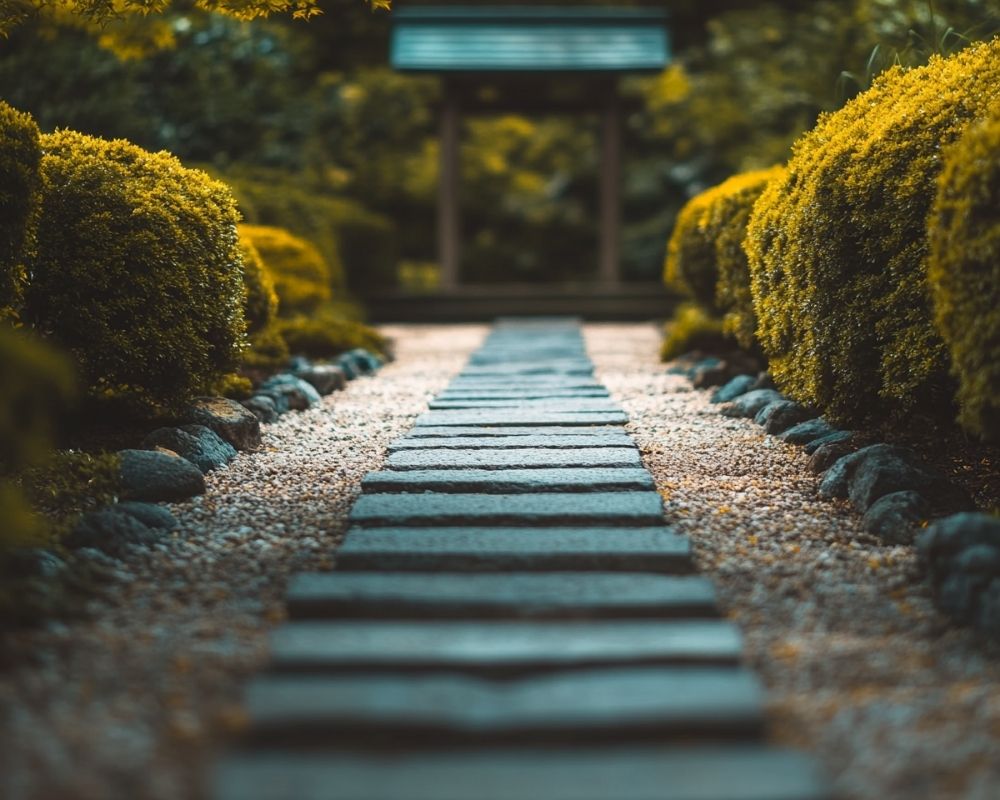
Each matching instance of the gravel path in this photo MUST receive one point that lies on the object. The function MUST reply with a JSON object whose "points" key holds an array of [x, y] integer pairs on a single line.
{"points": [[895, 701], [132, 701]]}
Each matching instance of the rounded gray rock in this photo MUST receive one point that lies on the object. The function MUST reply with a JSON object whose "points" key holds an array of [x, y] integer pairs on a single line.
{"points": [[894, 517], [229, 419], [325, 378], [149, 514], [299, 394], [263, 407], [202, 446], [153, 476], [750, 404], [110, 531], [737, 386]]}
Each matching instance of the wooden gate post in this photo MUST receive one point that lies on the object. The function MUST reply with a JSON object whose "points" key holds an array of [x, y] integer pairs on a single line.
{"points": [[449, 244], [611, 145]]}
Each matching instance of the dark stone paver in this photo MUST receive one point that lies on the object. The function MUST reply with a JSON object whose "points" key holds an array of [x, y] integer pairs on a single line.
{"points": [[578, 404], [510, 481], [510, 549], [618, 705], [499, 649], [682, 772], [498, 417], [555, 508], [529, 595], [521, 394], [514, 458], [481, 431], [565, 440]]}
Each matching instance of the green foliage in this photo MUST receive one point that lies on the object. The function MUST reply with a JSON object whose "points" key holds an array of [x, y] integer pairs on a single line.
{"points": [[727, 219], [327, 335], [36, 387], [964, 271], [838, 249], [69, 483], [690, 266], [692, 328], [137, 272], [300, 274], [20, 155], [260, 303]]}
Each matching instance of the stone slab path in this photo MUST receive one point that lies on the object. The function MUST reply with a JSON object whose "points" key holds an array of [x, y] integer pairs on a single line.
{"points": [[510, 619]]}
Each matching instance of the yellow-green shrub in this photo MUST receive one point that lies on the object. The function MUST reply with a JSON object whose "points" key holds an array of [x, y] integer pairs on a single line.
{"points": [[36, 386], [20, 154], [301, 276], [327, 335], [137, 271], [267, 349], [693, 328], [690, 266], [726, 221], [964, 271], [838, 248]]}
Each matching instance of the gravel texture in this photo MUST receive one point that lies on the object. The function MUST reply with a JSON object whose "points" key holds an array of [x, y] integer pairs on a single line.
{"points": [[134, 699], [894, 700]]}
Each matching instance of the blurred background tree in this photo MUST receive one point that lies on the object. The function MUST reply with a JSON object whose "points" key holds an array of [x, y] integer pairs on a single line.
{"points": [[309, 107]]}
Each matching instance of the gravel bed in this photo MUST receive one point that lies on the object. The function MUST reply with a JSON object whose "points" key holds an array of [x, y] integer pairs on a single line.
{"points": [[894, 700], [134, 699]]}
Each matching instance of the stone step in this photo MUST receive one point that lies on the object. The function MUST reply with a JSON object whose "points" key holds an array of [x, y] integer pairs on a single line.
{"points": [[510, 481], [406, 711], [515, 549], [557, 404], [524, 383], [513, 458], [500, 417], [553, 508], [483, 431], [499, 649], [564, 440], [513, 595], [680, 772], [565, 367]]}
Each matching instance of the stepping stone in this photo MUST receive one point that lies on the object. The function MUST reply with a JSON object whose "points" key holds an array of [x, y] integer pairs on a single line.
{"points": [[555, 508], [447, 431], [515, 595], [616, 705], [496, 417], [565, 440], [513, 457], [515, 370], [523, 383], [681, 772], [515, 549], [520, 394], [499, 649], [510, 481], [558, 404]]}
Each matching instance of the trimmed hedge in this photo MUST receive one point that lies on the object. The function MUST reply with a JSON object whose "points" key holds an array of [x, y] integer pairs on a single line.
{"points": [[328, 335], [301, 275], [726, 222], [964, 271], [690, 265], [20, 156], [137, 271], [838, 248], [692, 328]]}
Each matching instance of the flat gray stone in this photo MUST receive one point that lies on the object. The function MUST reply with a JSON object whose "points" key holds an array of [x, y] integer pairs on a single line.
{"points": [[680, 772], [616, 705], [498, 417], [499, 648], [524, 383], [515, 595], [555, 508], [510, 549], [510, 481], [565, 440], [480, 431], [559, 404], [514, 457], [516, 393], [569, 367]]}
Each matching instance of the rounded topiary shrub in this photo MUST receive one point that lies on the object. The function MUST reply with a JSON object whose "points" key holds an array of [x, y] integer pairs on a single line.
{"points": [[328, 335], [838, 248], [301, 276], [267, 348], [137, 271], [20, 155], [692, 328], [964, 271], [726, 222], [690, 266]]}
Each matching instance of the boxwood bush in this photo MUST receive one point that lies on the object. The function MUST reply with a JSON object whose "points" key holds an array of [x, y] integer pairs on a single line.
{"points": [[137, 271], [838, 249], [300, 274], [690, 266], [964, 271], [20, 155]]}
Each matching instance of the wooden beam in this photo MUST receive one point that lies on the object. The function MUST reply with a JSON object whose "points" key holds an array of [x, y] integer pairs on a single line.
{"points": [[449, 237], [609, 271]]}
